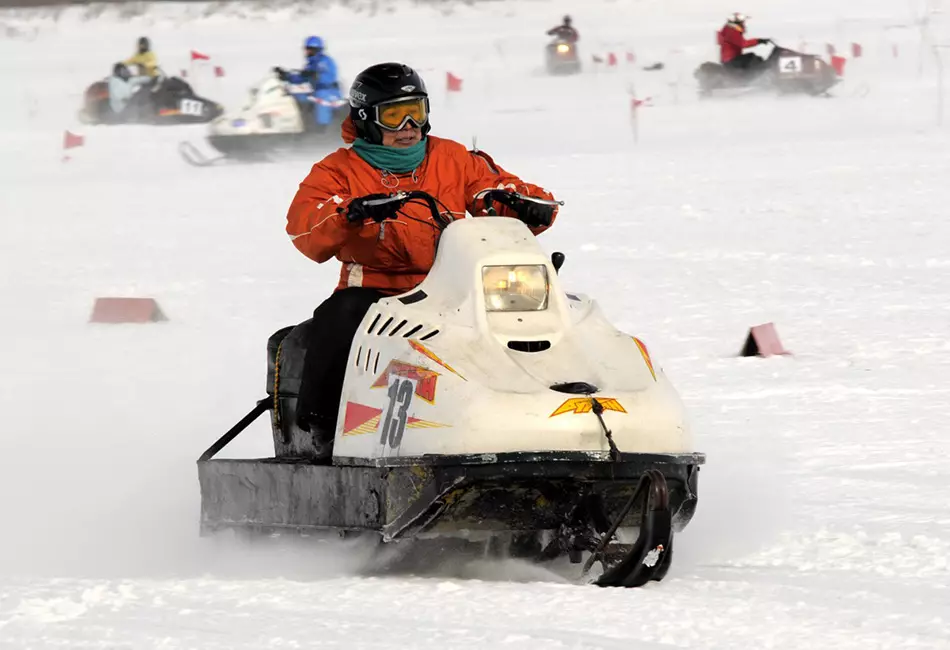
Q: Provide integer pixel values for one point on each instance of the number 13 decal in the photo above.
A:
(401, 391)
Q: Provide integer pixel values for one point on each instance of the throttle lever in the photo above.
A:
(398, 196)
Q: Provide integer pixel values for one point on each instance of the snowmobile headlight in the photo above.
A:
(563, 48)
(515, 288)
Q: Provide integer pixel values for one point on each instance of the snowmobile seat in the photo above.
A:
(286, 349)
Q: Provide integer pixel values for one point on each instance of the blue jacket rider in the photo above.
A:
(320, 73)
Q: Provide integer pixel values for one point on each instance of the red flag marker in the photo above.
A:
(837, 62)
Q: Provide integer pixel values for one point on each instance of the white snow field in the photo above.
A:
(824, 511)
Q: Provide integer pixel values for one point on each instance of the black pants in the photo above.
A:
(747, 62)
(331, 333)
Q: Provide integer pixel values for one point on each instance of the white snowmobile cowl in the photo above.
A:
(451, 377)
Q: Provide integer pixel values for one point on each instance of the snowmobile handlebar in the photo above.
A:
(443, 219)
(507, 197)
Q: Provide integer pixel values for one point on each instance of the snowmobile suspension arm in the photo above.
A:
(232, 433)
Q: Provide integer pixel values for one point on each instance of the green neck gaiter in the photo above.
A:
(395, 160)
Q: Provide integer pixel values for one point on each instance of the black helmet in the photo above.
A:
(144, 45)
(379, 84)
(567, 20)
(120, 70)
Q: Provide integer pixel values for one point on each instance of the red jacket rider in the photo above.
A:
(732, 39)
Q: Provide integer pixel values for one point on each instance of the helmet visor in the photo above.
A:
(396, 114)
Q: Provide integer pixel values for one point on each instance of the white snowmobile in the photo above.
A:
(486, 404)
(271, 124)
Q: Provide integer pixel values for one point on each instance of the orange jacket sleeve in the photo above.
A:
(482, 173)
(316, 220)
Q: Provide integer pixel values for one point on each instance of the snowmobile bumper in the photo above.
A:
(440, 494)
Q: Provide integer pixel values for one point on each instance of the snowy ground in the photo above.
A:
(824, 517)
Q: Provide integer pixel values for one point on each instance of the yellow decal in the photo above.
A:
(646, 355)
(423, 350)
(359, 419)
(585, 405)
(415, 423)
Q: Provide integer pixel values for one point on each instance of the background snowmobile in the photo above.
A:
(784, 71)
(486, 405)
(170, 100)
(560, 57)
(271, 123)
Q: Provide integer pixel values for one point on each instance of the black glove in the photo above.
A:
(531, 213)
(359, 212)
(765, 41)
(281, 73)
(535, 215)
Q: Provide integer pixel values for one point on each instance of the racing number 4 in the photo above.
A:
(401, 391)
(190, 107)
(790, 65)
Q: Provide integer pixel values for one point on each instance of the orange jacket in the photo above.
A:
(395, 255)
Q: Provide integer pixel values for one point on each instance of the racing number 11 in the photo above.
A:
(400, 394)
(190, 107)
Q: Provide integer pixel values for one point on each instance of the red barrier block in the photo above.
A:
(453, 83)
(763, 341)
(71, 140)
(126, 310)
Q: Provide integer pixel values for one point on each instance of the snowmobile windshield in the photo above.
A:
(396, 114)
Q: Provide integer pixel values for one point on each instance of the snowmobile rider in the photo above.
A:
(385, 250)
(564, 31)
(732, 41)
(144, 58)
(124, 90)
(320, 72)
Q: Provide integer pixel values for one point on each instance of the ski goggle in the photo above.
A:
(394, 115)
